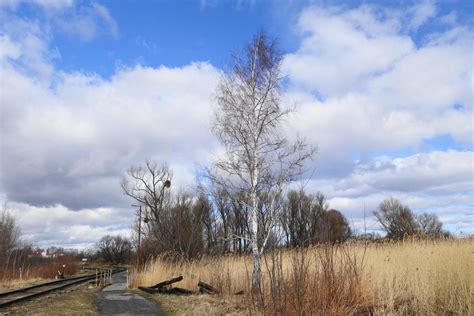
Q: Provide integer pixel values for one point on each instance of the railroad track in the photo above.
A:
(27, 293)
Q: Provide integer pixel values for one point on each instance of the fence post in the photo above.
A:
(96, 278)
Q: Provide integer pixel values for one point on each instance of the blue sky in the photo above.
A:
(173, 33)
(89, 88)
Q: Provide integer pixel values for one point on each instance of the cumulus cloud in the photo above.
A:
(70, 144)
(366, 92)
(422, 12)
(83, 21)
(57, 225)
(344, 48)
(86, 22)
(436, 173)
(358, 73)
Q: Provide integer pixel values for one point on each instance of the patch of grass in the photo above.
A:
(81, 301)
(200, 304)
(11, 284)
(6, 285)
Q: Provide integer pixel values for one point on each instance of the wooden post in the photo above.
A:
(139, 234)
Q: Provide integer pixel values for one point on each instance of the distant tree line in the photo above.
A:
(214, 220)
(114, 249)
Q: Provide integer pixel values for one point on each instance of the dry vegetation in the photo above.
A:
(398, 278)
(77, 301)
(26, 270)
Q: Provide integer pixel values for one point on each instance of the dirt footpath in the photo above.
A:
(115, 300)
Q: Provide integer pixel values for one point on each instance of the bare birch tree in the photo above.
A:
(259, 160)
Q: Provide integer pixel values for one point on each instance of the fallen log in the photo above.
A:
(168, 282)
(148, 289)
(179, 291)
(207, 288)
(166, 290)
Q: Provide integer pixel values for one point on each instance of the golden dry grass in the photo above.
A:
(429, 277)
(10, 284)
(197, 305)
(80, 301)
(410, 277)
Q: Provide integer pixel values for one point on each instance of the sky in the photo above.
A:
(90, 88)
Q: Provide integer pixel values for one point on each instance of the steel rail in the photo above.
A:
(63, 284)
(24, 289)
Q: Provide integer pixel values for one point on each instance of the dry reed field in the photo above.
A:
(398, 278)
(28, 272)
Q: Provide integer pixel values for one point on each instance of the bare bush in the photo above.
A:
(400, 222)
(396, 219)
(114, 249)
(9, 234)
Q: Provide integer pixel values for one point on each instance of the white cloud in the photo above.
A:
(8, 49)
(53, 4)
(73, 143)
(83, 21)
(422, 12)
(58, 225)
(25, 43)
(375, 90)
(362, 87)
(433, 173)
(343, 48)
(86, 22)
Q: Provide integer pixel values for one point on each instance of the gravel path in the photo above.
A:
(115, 300)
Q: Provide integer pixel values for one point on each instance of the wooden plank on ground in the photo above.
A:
(148, 289)
(168, 282)
(207, 288)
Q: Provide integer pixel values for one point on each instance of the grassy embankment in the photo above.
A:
(81, 301)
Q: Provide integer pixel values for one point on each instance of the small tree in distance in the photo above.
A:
(430, 226)
(399, 222)
(259, 161)
(335, 227)
(396, 219)
(9, 234)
